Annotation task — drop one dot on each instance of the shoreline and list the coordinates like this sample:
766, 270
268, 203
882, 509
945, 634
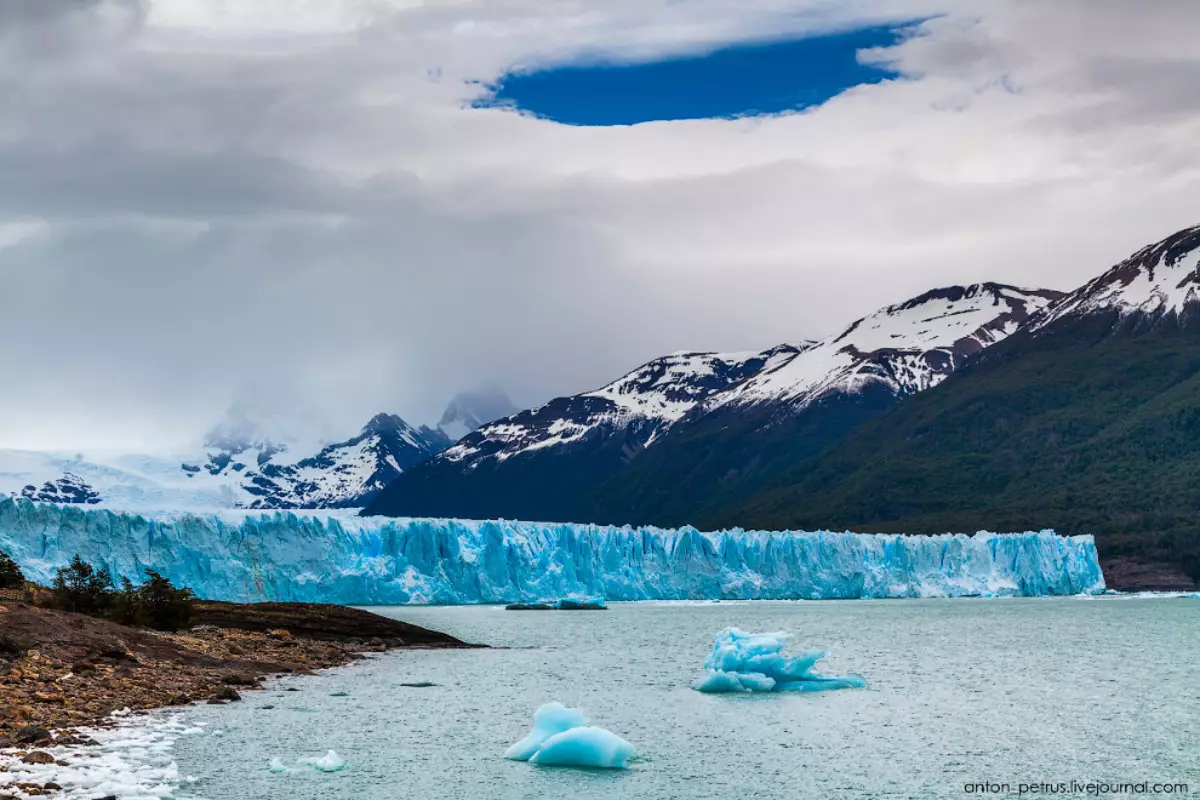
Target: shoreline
60, 672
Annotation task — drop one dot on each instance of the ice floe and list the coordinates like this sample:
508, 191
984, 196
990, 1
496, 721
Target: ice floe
755, 662
562, 737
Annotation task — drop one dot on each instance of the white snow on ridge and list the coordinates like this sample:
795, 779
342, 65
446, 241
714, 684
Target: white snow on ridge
908, 347
1159, 279
654, 396
667, 388
122, 481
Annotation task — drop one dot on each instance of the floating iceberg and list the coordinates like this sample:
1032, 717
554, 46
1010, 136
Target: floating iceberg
565, 604
374, 561
755, 662
561, 737
330, 762
276, 765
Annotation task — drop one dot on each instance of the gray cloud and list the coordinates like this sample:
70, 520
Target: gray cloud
199, 197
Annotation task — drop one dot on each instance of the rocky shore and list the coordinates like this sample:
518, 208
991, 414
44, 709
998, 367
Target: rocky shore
62, 671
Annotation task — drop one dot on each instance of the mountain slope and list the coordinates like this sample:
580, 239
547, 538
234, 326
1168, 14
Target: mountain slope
536, 464
683, 431
1088, 422
240, 468
741, 439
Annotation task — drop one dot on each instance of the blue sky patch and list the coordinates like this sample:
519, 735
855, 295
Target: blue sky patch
746, 80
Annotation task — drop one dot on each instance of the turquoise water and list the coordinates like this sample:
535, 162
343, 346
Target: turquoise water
961, 691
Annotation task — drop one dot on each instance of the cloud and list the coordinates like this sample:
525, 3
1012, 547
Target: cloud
195, 197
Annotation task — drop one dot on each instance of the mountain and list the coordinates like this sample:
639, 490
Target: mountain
341, 475
241, 467
686, 430
471, 410
537, 464
1087, 421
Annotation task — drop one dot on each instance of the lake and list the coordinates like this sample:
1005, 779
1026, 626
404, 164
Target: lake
960, 692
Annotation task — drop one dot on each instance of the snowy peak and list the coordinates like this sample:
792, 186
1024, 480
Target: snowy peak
637, 407
471, 410
903, 348
669, 387
1160, 279
958, 317
68, 488
344, 474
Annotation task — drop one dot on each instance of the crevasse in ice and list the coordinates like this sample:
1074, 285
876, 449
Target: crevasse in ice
354, 560
755, 662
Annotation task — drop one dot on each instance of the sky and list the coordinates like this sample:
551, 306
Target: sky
338, 207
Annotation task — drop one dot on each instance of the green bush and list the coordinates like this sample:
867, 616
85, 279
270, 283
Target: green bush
124, 608
157, 604
81, 588
161, 606
10, 573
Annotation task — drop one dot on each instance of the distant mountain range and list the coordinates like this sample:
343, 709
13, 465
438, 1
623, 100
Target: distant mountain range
692, 431
981, 407
971, 407
244, 463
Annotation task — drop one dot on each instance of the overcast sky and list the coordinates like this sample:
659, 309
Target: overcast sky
294, 200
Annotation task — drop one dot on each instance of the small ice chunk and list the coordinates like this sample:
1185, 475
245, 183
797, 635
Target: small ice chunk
548, 720
585, 747
716, 681
330, 762
276, 765
755, 662
561, 737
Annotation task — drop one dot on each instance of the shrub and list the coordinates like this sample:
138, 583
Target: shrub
124, 608
10, 573
81, 588
161, 606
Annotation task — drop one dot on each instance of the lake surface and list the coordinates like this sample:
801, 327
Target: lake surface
960, 691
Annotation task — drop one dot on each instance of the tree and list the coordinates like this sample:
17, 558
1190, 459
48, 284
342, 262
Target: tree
81, 588
161, 606
10, 573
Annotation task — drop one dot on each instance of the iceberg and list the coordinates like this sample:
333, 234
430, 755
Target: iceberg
549, 720
755, 662
330, 762
561, 737
336, 558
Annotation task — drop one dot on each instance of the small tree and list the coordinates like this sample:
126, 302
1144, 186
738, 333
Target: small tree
10, 573
124, 608
161, 606
79, 587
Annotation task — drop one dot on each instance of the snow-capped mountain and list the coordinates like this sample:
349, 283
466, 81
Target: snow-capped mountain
904, 348
638, 406
1159, 280
654, 431
67, 488
470, 410
240, 468
342, 475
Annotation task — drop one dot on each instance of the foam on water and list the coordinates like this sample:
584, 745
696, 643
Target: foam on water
131, 760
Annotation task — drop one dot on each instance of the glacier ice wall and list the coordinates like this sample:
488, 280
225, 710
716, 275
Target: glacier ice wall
353, 560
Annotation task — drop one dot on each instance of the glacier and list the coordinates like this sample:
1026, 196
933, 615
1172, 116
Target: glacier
332, 558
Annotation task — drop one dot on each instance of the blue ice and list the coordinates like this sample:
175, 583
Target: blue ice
324, 558
755, 662
562, 737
